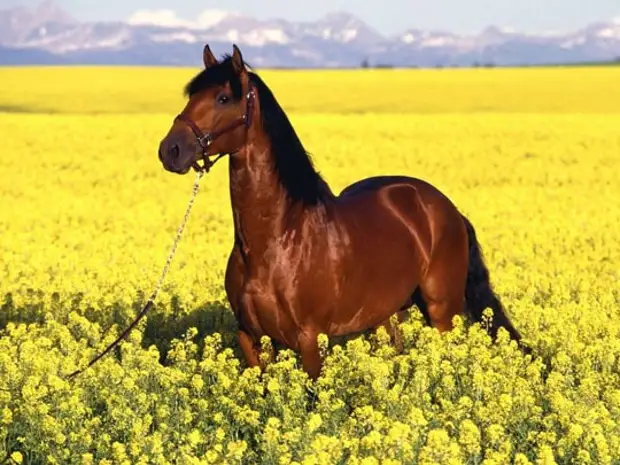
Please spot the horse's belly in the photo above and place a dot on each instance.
(375, 291)
(367, 313)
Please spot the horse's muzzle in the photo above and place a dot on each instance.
(177, 155)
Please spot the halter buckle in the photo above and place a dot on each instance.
(205, 140)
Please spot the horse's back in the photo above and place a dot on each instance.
(387, 205)
(375, 183)
(418, 190)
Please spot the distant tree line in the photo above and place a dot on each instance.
(476, 64)
(365, 64)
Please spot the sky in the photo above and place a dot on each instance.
(389, 17)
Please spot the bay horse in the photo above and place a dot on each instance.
(304, 260)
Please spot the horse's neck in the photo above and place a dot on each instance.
(259, 200)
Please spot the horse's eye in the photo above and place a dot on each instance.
(222, 99)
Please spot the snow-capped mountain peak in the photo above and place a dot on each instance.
(169, 19)
(162, 37)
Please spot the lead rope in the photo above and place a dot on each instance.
(149, 303)
(199, 175)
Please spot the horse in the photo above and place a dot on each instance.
(305, 261)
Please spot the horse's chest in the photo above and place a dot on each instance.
(274, 291)
(266, 313)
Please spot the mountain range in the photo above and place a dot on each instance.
(48, 35)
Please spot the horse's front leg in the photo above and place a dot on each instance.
(251, 350)
(241, 304)
(309, 350)
(250, 333)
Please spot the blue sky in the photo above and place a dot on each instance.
(387, 16)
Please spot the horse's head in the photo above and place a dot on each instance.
(216, 117)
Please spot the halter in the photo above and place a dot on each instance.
(206, 139)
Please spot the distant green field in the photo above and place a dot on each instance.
(159, 90)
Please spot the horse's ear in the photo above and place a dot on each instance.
(207, 57)
(237, 60)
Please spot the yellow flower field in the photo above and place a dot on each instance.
(88, 215)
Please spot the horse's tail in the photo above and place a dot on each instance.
(479, 294)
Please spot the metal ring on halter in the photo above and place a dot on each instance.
(205, 141)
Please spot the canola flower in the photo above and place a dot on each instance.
(88, 216)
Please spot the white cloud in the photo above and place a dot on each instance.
(169, 18)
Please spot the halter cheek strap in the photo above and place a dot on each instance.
(206, 139)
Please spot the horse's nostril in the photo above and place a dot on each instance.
(175, 151)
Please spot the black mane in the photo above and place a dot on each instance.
(292, 163)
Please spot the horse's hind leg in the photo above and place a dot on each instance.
(442, 290)
(417, 300)
(443, 304)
